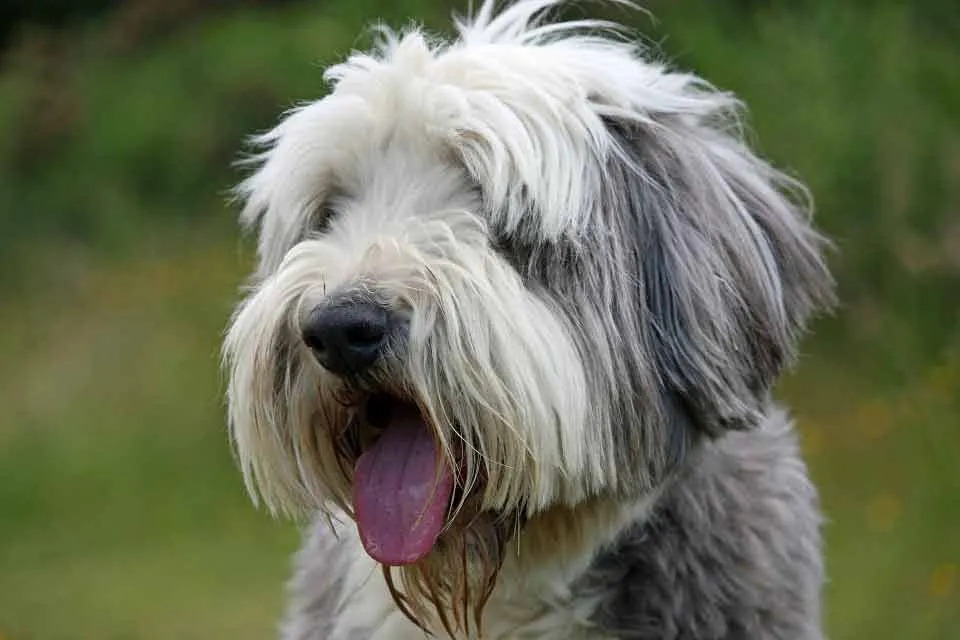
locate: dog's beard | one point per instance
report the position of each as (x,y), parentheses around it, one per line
(454,582)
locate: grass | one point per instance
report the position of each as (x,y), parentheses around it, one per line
(123,515)
(121,512)
(886,468)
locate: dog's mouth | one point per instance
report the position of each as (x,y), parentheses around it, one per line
(403,483)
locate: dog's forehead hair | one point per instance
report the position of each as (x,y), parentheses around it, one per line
(396,181)
(371,189)
(506,115)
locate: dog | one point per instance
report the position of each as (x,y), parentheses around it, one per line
(520,300)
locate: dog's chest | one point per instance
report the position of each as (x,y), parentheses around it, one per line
(520,609)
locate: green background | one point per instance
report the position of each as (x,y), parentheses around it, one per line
(121,512)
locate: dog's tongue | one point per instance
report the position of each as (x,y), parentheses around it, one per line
(401,491)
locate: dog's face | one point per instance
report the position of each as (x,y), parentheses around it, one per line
(522,270)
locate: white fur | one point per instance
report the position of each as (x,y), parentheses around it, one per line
(514,106)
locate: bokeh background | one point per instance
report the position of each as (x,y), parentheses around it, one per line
(121,513)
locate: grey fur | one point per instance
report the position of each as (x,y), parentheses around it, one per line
(732,550)
(317,585)
(696,288)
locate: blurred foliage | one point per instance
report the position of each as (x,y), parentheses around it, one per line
(121,514)
(16,13)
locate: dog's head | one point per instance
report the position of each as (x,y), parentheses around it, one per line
(522,270)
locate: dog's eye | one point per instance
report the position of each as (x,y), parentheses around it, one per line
(321,219)
(326,211)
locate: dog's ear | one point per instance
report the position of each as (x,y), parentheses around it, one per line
(730,267)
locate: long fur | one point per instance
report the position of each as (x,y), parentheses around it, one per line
(601,282)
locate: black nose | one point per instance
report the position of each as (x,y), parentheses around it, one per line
(347,338)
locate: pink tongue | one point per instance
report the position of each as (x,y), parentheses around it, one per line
(400,492)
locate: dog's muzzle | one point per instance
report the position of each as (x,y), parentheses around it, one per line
(402,483)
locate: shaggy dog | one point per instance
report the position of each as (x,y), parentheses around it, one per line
(520,302)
